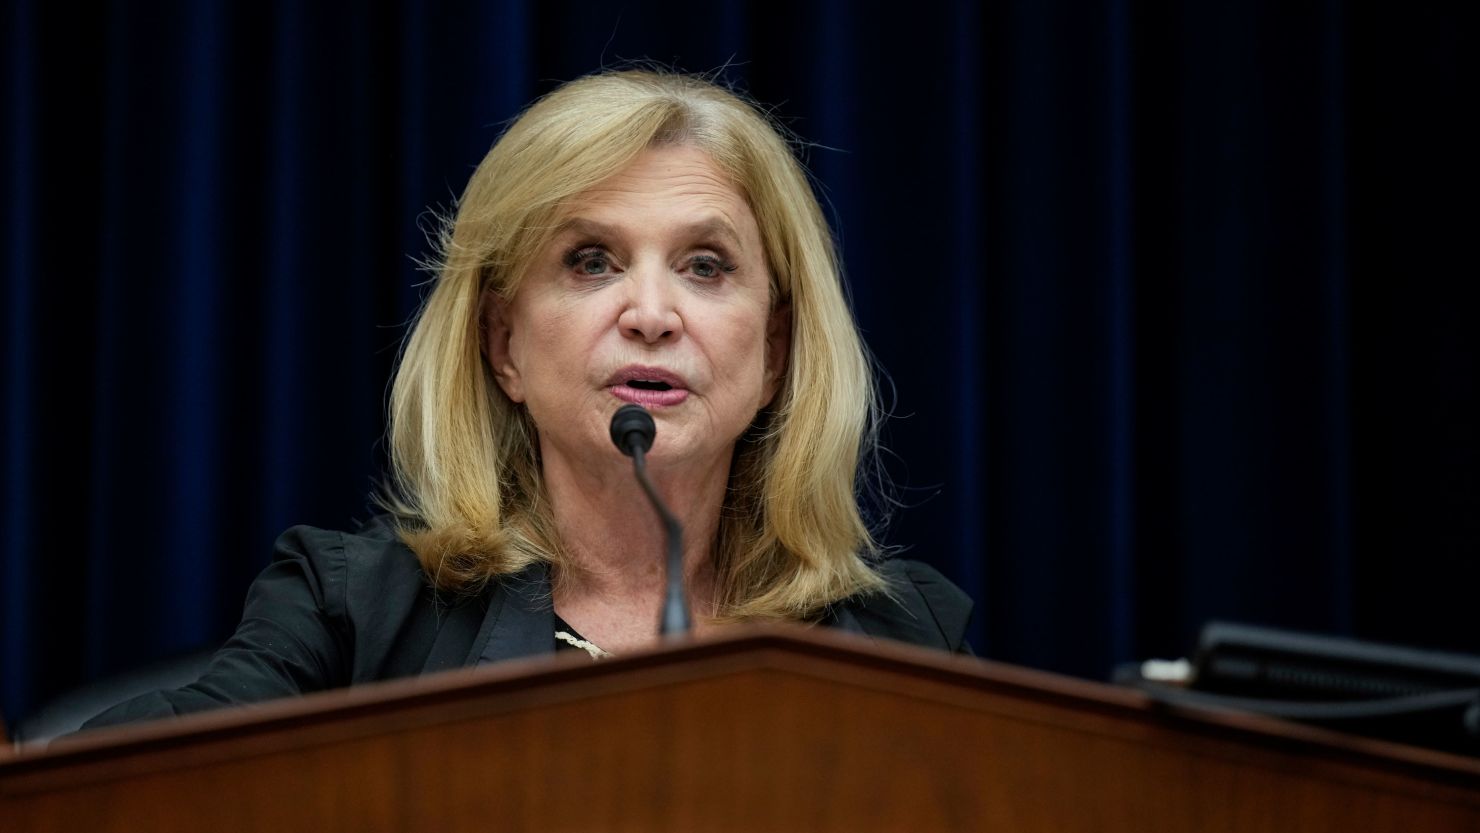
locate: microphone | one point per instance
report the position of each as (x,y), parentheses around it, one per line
(632,430)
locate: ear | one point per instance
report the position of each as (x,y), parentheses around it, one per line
(494,319)
(778,350)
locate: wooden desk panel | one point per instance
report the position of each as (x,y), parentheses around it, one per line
(771,729)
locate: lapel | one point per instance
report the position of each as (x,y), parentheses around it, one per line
(517,619)
(520,621)
(460,625)
(512,618)
(841,617)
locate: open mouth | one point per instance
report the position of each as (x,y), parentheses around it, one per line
(650,387)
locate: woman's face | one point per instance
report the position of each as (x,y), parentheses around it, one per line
(654,290)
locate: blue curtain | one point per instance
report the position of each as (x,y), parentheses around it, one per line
(1170,296)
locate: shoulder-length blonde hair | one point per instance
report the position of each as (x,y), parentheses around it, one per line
(466,481)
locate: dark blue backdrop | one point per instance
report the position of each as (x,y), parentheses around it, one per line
(1171,295)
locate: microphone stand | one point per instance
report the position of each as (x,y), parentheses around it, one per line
(633,431)
(675,619)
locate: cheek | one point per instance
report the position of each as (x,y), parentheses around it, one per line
(551,348)
(741,353)
(537,318)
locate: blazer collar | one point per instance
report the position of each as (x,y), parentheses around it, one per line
(511,618)
(841,617)
(520,621)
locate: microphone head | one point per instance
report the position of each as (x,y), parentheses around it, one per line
(632,426)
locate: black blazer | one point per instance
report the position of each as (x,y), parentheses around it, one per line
(335,609)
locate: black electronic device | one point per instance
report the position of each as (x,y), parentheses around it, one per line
(1411,695)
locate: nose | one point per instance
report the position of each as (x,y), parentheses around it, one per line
(650,312)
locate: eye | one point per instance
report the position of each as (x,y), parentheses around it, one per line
(709,266)
(588,260)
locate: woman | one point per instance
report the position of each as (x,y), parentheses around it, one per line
(634,237)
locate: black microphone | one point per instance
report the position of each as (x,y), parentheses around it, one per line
(633,431)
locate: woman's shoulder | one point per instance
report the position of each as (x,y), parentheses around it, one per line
(372,588)
(363,562)
(920,606)
(372,543)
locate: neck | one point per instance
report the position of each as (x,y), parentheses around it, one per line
(614,537)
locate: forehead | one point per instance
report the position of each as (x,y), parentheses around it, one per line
(666,179)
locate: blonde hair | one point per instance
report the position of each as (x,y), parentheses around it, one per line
(466,483)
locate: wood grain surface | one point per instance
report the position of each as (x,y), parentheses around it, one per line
(764,729)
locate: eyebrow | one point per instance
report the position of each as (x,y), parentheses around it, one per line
(713,226)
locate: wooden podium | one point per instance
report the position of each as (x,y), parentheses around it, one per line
(765,729)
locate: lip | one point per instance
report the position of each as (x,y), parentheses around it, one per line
(620,385)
